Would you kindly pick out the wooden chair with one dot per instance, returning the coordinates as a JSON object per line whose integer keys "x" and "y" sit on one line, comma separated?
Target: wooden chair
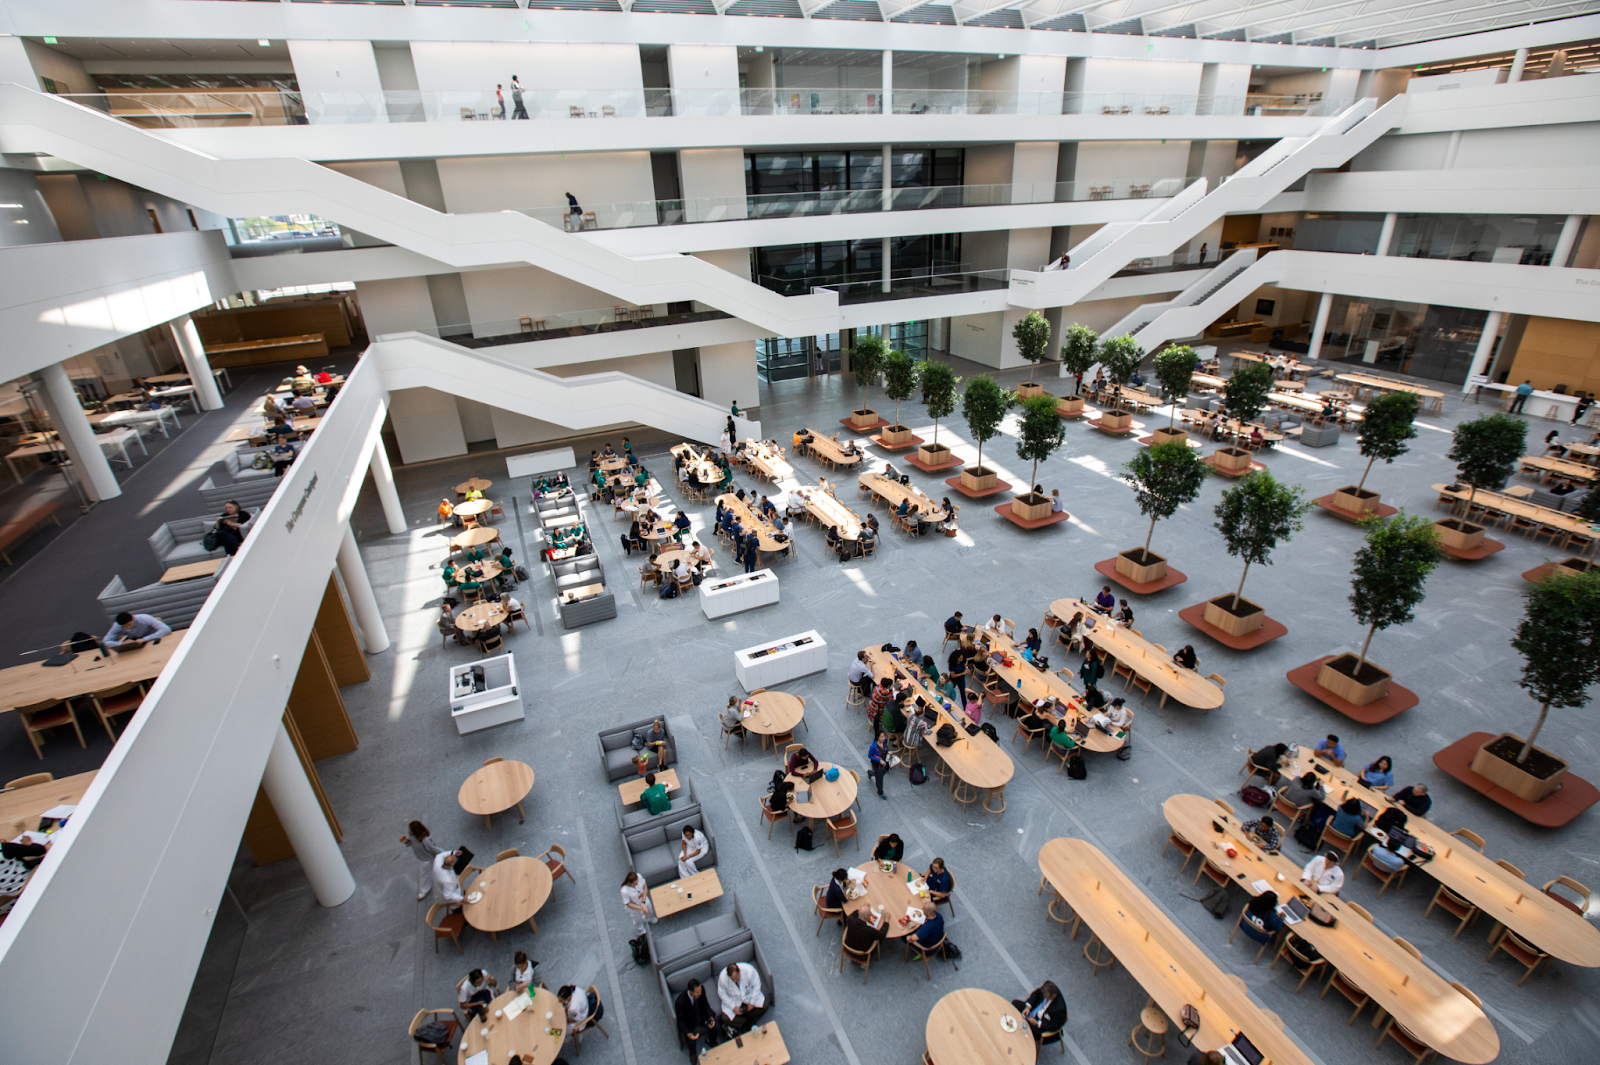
{"x": 503, "y": 855}
{"x": 1215, "y": 678}
{"x": 448, "y": 926}
{"x": 1337, "y": 840}
{"x": 1226, "y": 808}
{"x": 728, "y": 733}
{"x": 861, "y": 958}
{"x": 1306, "y": 964}
{"x": 1053, "y": 750}
{"x": 1579, "y": 905}
{"x": 1454, "y": 905}
{"x": 1385, "y": 877}
{"x": 823, "y": 912}
{"x": 1513, "y": 870}
{"x": 555, "y": 856}
{"x": 514, "y": 616}
{"x": 453, "y": 1025}
{"x": 773, "y": 818}
{"x": 491, "y": 645}
{"x": 1362, "y": 910}
{"x": 1419, "y": 1050}
{"x": 1520, "y": 949}
{"x": 1212, "y": 872}
{"x": 1096, "y": 953}
{"x": 1405, "y": 945}
{"x": 1254, "y": 930}
{"x": 841, "y": 828}
{"x": 1471, "y": 837}
{"x": 1065, "y": 918}
{"x": 41, "y": 717}
{"x": 921, "y": 952}
{"x": 1185, "y": 848}
{"x": 589, "y": 1022}
{"x": 114, "y": 702}
{"x": 1350, "y": 990}
{"x": 1281, "y": 805}
{"x": 44, "y": 778}
{"x": 1030, "y": 733}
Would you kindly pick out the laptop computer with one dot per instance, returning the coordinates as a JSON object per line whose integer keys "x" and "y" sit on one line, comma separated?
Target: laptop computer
{"x": 1241, "y": 1051}
{"x": 1081, "y": 729}
{"x": 812, "y": 778}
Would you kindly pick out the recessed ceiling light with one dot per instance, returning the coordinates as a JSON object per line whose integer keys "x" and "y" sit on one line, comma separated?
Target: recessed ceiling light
{"x": 263, "y": 42}
{"x": 49, "y": 40}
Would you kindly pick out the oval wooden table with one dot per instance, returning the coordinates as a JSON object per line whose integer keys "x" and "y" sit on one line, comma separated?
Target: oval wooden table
{"x": 473, "y": 484}
{"x": 977, "y": 761}
{"x": 491, "y": 569}
{"x": 890, "y": 891}
{"x": 964, "y": 1029}
{"x": 526, "y": 1034}
{"x": 1032, "y": 685}
{"x": 779, "y": 713}
{"x": 473, "y": 538}
{"x": 481, "y": 616}
{"x": 1146, "y": 660}
{"x": 497, "y": 786}
{"x": 472, "y": 508}
{"x": 512, "y": 892}
{"x": 829, "y": 798}
{"x": 665, "y": 559}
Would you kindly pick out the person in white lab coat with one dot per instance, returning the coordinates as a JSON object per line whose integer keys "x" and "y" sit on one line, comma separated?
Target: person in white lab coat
{"x": 1323, "y": 875}
{"x": 444, "y": 876}
{"x": 695, "y": 846}
{"x": 739, "y": 988}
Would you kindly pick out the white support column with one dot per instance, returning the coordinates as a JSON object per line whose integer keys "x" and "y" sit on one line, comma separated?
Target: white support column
{"x": 77, "y": 435}
{"x": 1485, "y": 349}
{"x": 187, "y": 340}
{"x": 1451, "y": 150}
{"x": 1325, "y": 306}
{"x": 1387, "y": 234}
{"x": 1518, "y": 65}
{"x": 303, "y": 821}
{"x": 365, "y": 604}
{"x": 888, "y": 204}
{"x": 888, "y": 82}
{"x": 383, "y": 477}
{"x": 1567, "y": 239}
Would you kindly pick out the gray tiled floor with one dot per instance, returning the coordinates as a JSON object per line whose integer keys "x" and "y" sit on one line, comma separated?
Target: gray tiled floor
{"x": 340, "y": 985}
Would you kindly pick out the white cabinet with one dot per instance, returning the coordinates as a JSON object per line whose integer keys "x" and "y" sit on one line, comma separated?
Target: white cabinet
{"x": 744, "y": 591}
{"x": 779, "y": 660}
{"x": 484, "y": 694}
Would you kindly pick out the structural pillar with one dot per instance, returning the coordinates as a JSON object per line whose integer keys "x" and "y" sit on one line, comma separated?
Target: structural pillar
{"x": 888, "y": 81}
{"x": 1387, "y": 234}
{"x": 1518, "y": 64}
{"x": 77, "y": 435}
{"x": 303, "y": 821}
{"x": 187, "y": 340}
{"x": 1323, "y": 308}
{"x": 1451, "y": 150}
{"x": 1480, "y": 357}
{"x": 383, "y": 477}
{"x": 1567, "y": 240}
{"x": 888, "y": 205}
{"x": 359, "y": 588}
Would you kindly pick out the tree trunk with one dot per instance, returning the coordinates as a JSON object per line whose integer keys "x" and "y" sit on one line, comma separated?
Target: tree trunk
{"x": 1148, "y": 535}
{"x": 1527, "y": 746}
{"x": 1365, "y": 472}
{"x": 936, "y": 432}
{"x": 897, "y": 412}
{"x": 1033, "y": 477}
{"x": 1362, "y": 660}
{"x": 1172, "y": 416}
{"x": 980, "y": 454}
{"x": 1240, "y": 590}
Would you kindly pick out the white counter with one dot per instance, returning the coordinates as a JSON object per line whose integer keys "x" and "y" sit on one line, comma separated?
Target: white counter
{"x": 743, "y": 591}
{"x": 779, "y": 660}
{"x": 497, "y": 702}
{"x": 1539, "y": 404}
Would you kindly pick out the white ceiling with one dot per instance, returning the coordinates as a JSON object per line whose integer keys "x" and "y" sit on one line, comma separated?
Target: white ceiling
{"x": 113, "y": 48}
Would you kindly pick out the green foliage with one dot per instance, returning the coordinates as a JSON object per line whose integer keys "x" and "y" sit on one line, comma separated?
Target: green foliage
{"x": 1164, "y": 478}
{"x": 866, "y": 360}
{"x": 1254, "y": 515}
{"x": 984, "y": 406}
{"x": 899, "y": 379}
{"x": 1041, "y": 432}
{"x": 1390, "y": 571}
{"x": 1079, "y": 351}
{"x": 1486, "y": 450}
{"x": 1560, "y": 638}
{"x": 1246, "y": 391}
{"x": 1387, "y": 423}
{"x": 1032, "y": 335}
{"x": 1174, "y": 369}
{"x": 1589, "y": 509}
{"x": 938, "y": 383}
{"x": 1121, "y": 357}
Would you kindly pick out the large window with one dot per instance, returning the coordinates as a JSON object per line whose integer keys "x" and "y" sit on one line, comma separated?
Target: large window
{"x": 790, "y": 358}
{"x": 1418, "y": 339}
{"x": 1498, "y": 238}
{"x": 795, "y": 269}
{"x": 766, "y": 173}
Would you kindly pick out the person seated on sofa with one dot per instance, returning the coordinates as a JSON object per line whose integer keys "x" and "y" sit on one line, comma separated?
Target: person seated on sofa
{"x": 230, "y": 527}
{"x": 135, "y": 630}
{"x": 1563, "y": 487}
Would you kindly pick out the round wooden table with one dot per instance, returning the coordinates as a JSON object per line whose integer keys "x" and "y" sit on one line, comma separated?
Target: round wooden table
{"x": 526, "y": 1034}
{"x": 472, "y": 508}
{"x": 512, "y": 890}
{"x": 473, "y": 538}
{"x": 964, "y": 1029}
{"x": 615, "y": 462}
{"x": 829, "y": 798}
{"x": 778, "y": 714}
{"x": 665, "y": 559}
{"x": 481, "y": 616}
{"x": 491, "y": 569}
{"x": 497, "y": 786}
{"x": 473, "y": 484}
{"x": 888, "y": 890}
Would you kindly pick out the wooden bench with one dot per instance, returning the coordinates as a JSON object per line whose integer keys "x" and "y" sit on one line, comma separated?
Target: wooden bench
{"x": 21, "y": 528}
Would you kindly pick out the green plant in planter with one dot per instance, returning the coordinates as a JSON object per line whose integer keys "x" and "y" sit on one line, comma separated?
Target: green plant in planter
{"x": 984, "y": 405}
{"x": 1245, "y": 395}
{"x": 1079, "y": 352}
{"x": 1254, "y": 515}
{"x": 1032, "y": 335}
{"x": 1121, "y": 357}
{"x": 1486, "y": 451}
{"x": 1387, "y": 423}
{"x": 938, "y": 391}
{"x": 1560, "y": 638}
{"x": 1588, "y": 509}
{"x": 1390, "y": 571}
{"x": 1164, "y": 478}
{"x": 866, "y": 361}
{"x": 899, "y": 380}
{"x": 1174, "y": 370}
{"x": 1041, "y": 432}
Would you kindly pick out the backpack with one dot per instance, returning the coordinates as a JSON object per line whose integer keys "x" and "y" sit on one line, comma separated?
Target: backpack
{"x": 641, "y": 950}
{"x": 522, "y": 573}
{"x": 988, "y": 730}
{"x": 1306, "y": 834}
{"x": 669, "y": 590}
{"x": 261, "y": 462}
{"x": 803, "y": 840}
{"x": 1076, "y": 770}
{"x": 434, "y": 1033}
{"x": 1251, "y": 795}
{"x": 919, "y": 775}
{"x": 945, "y": 736}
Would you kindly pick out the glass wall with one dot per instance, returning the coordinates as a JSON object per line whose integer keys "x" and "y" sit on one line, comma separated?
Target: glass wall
{"x": 1500, "y": 238}
{"x": 791, "y": 358}
{"x": 1409, "y": 338}
{"x": 828, "y": 171}
{"x": 1344, "y": 231}
{"x": 795, "y": 269}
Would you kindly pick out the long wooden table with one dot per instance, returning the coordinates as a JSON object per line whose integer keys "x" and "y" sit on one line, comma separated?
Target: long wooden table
{"x": 829, "y": 448}
{"x": 830, "y": 511}
{"x": 21, "y": 808}
{"x": 964, "y": 1029}
{"x": 1501, "y": 503}
{"x": 1379, "y": 384}
{"x": 33, "y": 683}
{"x": 1146, "y": 660}
{"x": 1156, "y": 952}
{"x": 977, "y": 760}
{"x": 1503, "y": 897}
{"x": 897, "y": 493}
{"x": 768, "y": 462}
{"x": 766, "y": 532}
{"x": 1032, "y": 685}
{"x": 1306, "y": 405}
{"x": 1403, "y": 986}
{"x": 1563, "y": 467}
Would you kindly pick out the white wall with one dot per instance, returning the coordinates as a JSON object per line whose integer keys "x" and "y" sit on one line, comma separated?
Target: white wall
{"x": 498, "y": 295}
{"x": 477, "y": 420}
{"x": 63, "y": 69}
{"x": 655, "y": 367}
{"x": 1147, "y": 77}
{"x": 1034, "y": 162}
{"x": 977, "y": 337}
{"x": 396, "y": 305}
{"x": 445, "y": 65}
{"x": 989, "y": 164}
{"x": 714, "y": 172}
{"x": 336, "y": 67}
{"x": 733, "y": 260}
{"x": 427, "y": 424}
{"x": 1342, "y": 84}
{"x": 384, "y": 173}
{"x": 1041, "y": 73}
{"x": 1105, "y": 162}
{"x": 727, "y": 373}
{"x": 1570, "y": 145}
{"x": 1466, "y": 79}
{"x": 514, "y": 430}
{"x": 702, "y": 66}
{"x": 1303, "y": 81}
{"x": 525, "y": 182}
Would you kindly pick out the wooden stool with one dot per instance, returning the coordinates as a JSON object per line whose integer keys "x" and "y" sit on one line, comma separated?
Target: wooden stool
{"x": 1099, "y": 955}
{"x": 1064, "y": 918}
{"x": 941, "y": 770}
{"x": 1153, "y": 1026}
{"x": 854, "y": 698}
{"x": 963, "y": 793}
{"x": 995, "y": 795}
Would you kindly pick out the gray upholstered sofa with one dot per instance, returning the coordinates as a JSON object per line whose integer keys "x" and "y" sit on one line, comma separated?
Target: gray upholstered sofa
{"x": 232, "y": 477}
{"x": 578, "y": 571}
{"x": 178, "y": 542}
{"x": 706, "y": 963}
{"x": 653, "y": 849}
{"x": 176, "y": 604}
{"x": 1325, "y": 435}
{"x": 672, "y": 945}
{"x": 1546, "y": 498}
{"x": 633, "y": 815}
{"x": 616, "y": 749}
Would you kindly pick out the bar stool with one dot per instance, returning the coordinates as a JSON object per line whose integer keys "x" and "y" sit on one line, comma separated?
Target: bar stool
{"x": 963, "y": 793}
{"x": 1099, "y": 955}
{"x": 1066, "y": 917}
{"x": 854, "y": 698}
{"x": 1153, "y": 1026}
{"x": 995, "y": 795}
{"x": 941, "y": 769}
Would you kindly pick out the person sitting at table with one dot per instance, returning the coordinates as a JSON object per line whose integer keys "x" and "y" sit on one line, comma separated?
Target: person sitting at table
{"x": 889, "y": 473}
{"x": 282, "y": 455}
{"x": 1116, "y": 717}
{"x": 1331, "y": 750}
{"x": 953, "y": 625}
{"x": 281, "y": 427}
{"x": 1552, "y": 444}
{"x": 778, "y": 792}
{"x": 1267, "y": 760}
{"x": 634, "y": 541}
{"x": 743, "y": 1003}
{"x": 940, "y": 682}
{"x": 303, "y": 405}
{"x": 918, "y": 726}
{"x": 681, "y": 523}
{"x": 1415, "y": 798}
{"x": 471, "y": 581}
{"x": 890, "y": 848}
{"x": 1185, "y": 658}
{"x": 1124, "y": 612}
{"x": 767, "y": 508}
{"x": 930, "y": 932}
{"x": 1256, "y": 439}
{"x": 974, "y": 707}
{"x": 697, "y": 1023}
{"x": 940, "y": 882}
{"x": 1069, "y": 629}
{"x": 903, "y": 509}
{"x": 998, "y": 624}
{"x": 447, "y": 624}
{"x": 692, "y": 848}
{"x": 1092, "y": 669}
{"x": 580, "y": 1005}
{"x": 130, "y": 631}
{"x": 1032, "y": 645}
{"x": 475, "y": 992}
{"x": 1379, "y": 775}
{"x": 606, "y": 453}
{"x": 862, "y": 930}
{"x": 445, "y": 879}
{"x": 1563, "y": 487}
{"x": 654, "y": 795}
{"x": 979, "y": 671}
{"x": 522, "y": 968}
{"x": 1304, "y": 791}
{"x": 302, "y": 383}
{"x": 1350, "y": 820}
{"x": 1105, "y": 600}
{"x": 1264, "y": 908}
{"x": 1043, "y": 1009}
{"x": 803, "y": 763}
{"x": 229, "y": 528}
{"x": 1390, "y": 819}
{"x": 1263, "y": 831}
{"x": 1322, "y": 874}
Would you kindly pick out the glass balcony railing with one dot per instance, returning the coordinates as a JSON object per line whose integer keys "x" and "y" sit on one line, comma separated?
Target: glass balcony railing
{"x": 551, "y": 325}
{"x": 945, "y": 279}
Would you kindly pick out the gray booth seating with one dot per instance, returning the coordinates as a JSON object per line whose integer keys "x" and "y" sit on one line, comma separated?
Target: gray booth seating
{"x": 578, "y": 571}
{"x": 587, "y": 611}
{"x": 1325, "y": 435}
{"x": 232, "y": 477}
{"x": 178, "y": 542}
{"x": 672, "y": 946}
{"x": 675, "y": 976}
{"x": 616, "y": 749}
{"x": 176, "y": 603}
{"x": 632, "y": 816}
{"x": 549, "y": 508}
{"x": 1568, "y": 503}
{"x": 653, "y": 848}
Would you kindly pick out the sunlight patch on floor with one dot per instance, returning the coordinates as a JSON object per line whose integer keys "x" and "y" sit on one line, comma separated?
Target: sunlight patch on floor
{"x": 859, "y": 579}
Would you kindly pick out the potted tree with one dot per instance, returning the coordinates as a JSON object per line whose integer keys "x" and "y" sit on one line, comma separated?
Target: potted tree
{"x": 1387, "y": 423}
{"x": 866, "y": 360}
{"x": 938, "y": 383}
{"x": 1164, "y": 477}
{"x": 1243, "y": 399}
{"x": 1485, "y": 452}
{"x": 1560, "y": 637}
{"x": 1040, "y": 434}
{"x": 984, "y": 405}
{"x": 1253, "y": 516}
{"x": 1077, "y": 358}
{"x": 1390, "y": 571}
{"x": 899, "y": 382}
{"x": 1032, "y": 335}
{"x": 1174, "y": 368}
{"x": 1120, "y": 357}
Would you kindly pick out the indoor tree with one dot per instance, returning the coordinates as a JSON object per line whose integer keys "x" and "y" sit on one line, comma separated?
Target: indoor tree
{"x": 899, "y": 380}
{"x": 1041, "y": 432}
{"x": 1121, "y": 357}
{"x": 1486, "y": 451}
{"x": 1079, "y": 352}
{"x": 1254, "y": 515}
{"x": 866, "y": 360}
{"x": 938, "y": 391}
{"x": 1390, "y": 571}
{"x": 1387, "y": 423}
{"x": 1174, "y": 368}
{"x": 984, "y": 405}
{"x": 1164, "y": 478}
{"x": 1032, "y": 335}
{"x": 1245, "y": 394}
{"x": 1560, "y": 638}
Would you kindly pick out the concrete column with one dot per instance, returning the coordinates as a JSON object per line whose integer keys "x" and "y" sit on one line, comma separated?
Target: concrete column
{"x": 383, "y": 477}
{"x": 1567, "y": 239}
{"x": 888, "y": 81}
{"x": 1325, "y": 306}
{"x": 888, "y": 203}
{"x": 77, "y": 436}
{"x": 1451, "y": 150}
{"x": 1480, "y": 357}
{"x": 303, "y": 821}
{"x": 365, "y": 604}
{"x": 1387, "y": 234}
{"x": 186, "y": 338}
{"x": 1518, "y": 65}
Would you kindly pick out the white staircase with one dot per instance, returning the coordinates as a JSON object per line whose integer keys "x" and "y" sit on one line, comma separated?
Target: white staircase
{"x": 1114, "y": 246}
{"x": 1135, "y": 321}
{"x": 1176, "y": 320}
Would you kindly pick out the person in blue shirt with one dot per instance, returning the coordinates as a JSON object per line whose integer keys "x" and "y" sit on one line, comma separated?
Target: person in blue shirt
{"x": 752, "y": 551}
{"x": 1524, "y": 390}
{"x": 682, "y": 522}
{"x": 1331, "y": 750}
{"x": 878, "y": 759}
{"x": 1033, "y": 643}
{"x": 940, "y": 882}
{"x": 1349, "y": 820}
{"x": 1105, "y": 600}
{"x": 1264, "y": 908}
{"x": 1379, "y": 774}
{"x": 134, "y": 630}
{"x": 913, "y": 652}
{"x": 932, "y": 930}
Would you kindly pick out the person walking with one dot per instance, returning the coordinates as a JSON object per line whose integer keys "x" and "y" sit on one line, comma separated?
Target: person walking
{"x": 424, "y": 848}
{"x": 1582, "y": 407}
{"x": 500, "y": 101}
{"x": 878, "y": 759}
{"x": 574, "y": 213}
{"x": 516, "y": 99}
{"x": 1202, "y": 255}
{"x": 636, "y": 898}
{"x": 1524, "y": 390}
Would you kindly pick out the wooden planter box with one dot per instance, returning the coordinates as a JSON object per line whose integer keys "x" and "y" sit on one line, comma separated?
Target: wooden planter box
{"x": 1335, "y": 675}
{"x": 1356, "y": 500}
{"x": 1529, "y": 786}
{"x": 895, "y": 434}
{"x": 1030, "y": 506}
{"x": 1168, "y": 436}
{"x": 1141, "y": 566}
{"x": 1461, "y": 535}
{"x": 1029, "y": 389}
{"x": 1575, "y": 565}
{"x": 978, "y": 478}
{"x": 1231, "y": 458}
{"x": 1240, "y": 621}
{"x": 865, "y": 418}
{"x": 1069, "y": 405}
{"x": 934, "y": 454}
{"x": 1115, "y": 419}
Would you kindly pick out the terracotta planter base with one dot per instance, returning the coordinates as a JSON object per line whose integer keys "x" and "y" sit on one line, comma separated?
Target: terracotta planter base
{"x": 1383, "y": 510}
{"x": 1355, "y": 500}
{"x": 908, "y": 442}
{"x": 1397, "y": 702}
{"x": 1232, "y": 471}
{"x": 1151, "y": 441}
{"x": 1005, "y": 511}
{"x": 1539, "y": 573}
{"x": 1270, "y": 630}
{"x": 978, "y": 493}
{"x": 1108, "y": 570}
{"x": 1535, "y": 782}
{"x": 1070, "y": 406}
{"x": 920, "y": 461}
{"x": 1575, "y": 796}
